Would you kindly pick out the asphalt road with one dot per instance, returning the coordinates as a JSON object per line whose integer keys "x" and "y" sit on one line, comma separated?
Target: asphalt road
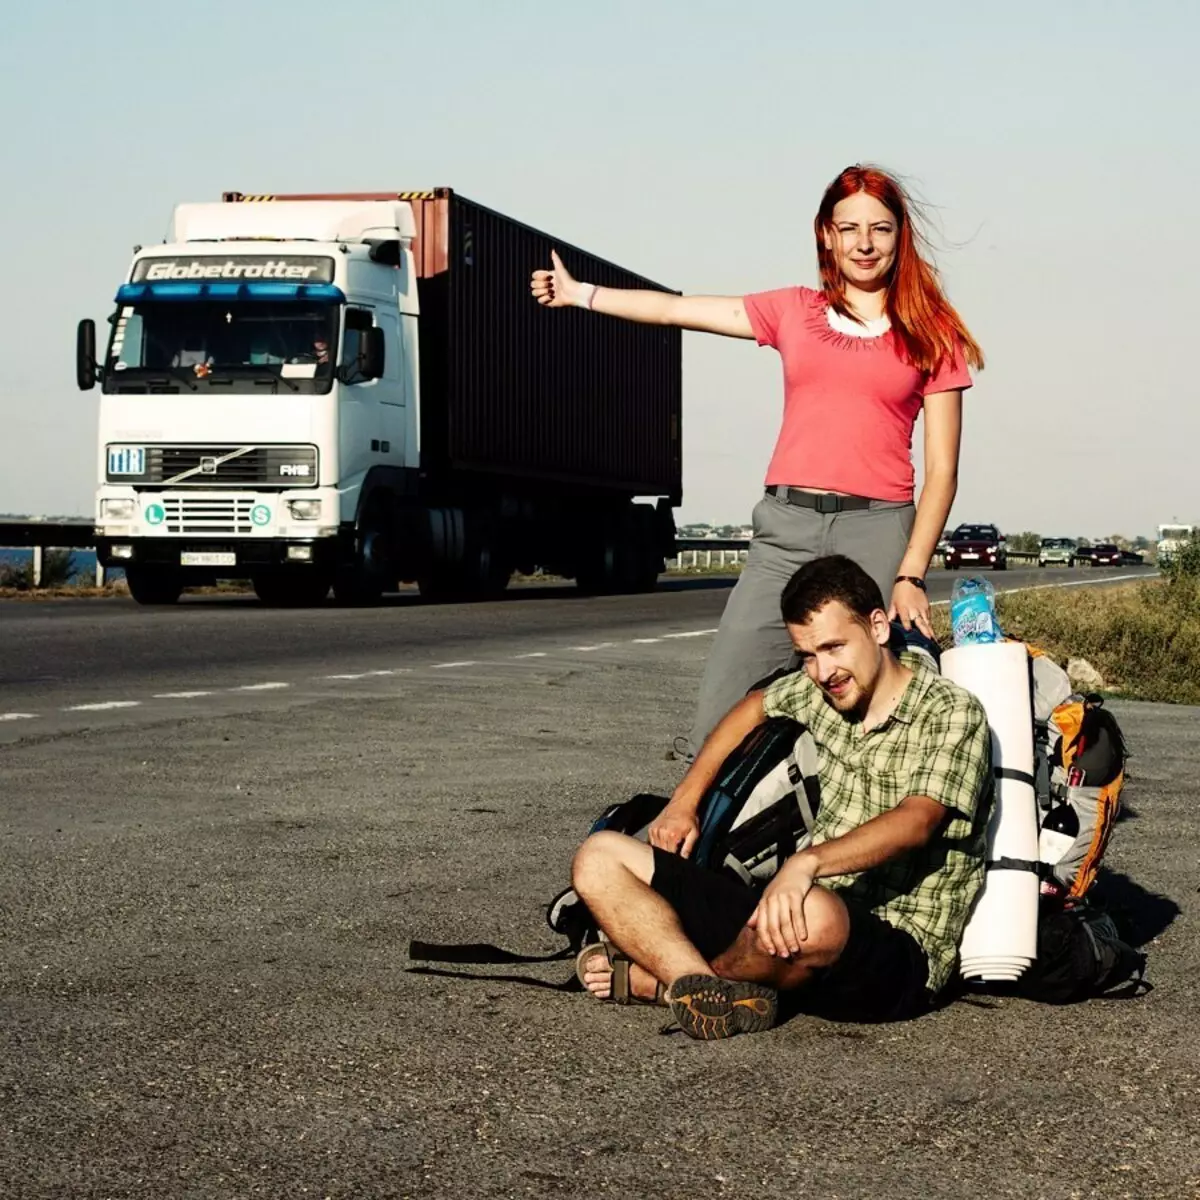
{"x": 205, "y": 904}
{"x": 58, "y": 653}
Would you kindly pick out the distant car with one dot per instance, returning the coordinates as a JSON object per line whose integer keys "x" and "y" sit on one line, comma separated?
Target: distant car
{"x": 976, "y": 546}
{"x": 1103, "y": 555}
{"x": 1057, "y": 550}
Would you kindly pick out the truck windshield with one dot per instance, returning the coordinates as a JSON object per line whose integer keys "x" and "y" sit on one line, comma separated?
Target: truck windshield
{"x": 178, "y": 346}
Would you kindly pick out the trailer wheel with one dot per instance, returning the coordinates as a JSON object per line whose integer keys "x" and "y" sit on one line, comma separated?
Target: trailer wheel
{"x": 646, "y": 554}
{"x": 476, "y": 567}
{"x": 623, "y": 555}
{"x": 154, "y": 585}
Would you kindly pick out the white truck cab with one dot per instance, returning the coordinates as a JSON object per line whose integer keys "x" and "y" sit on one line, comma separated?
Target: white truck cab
{"x": 261, "y": 365}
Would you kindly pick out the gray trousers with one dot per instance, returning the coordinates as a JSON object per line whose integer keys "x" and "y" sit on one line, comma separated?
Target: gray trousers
{"x": 752, "y": 640}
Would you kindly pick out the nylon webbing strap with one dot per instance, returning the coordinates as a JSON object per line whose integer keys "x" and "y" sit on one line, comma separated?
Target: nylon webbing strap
{"x": 806, "y": 786}
{"x": 1017, "y": 864}
{"x": 1019, "y": 776}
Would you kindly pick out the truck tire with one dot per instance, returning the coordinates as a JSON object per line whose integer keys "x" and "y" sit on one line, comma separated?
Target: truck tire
{"x": 298, "y": 587}
{"x": 647, "y": 555}
{"x": 480, "y": 571}
{"x": 363, "y": 580}
{"x": 623, "y": 556}
{"x": 154, "y": 585}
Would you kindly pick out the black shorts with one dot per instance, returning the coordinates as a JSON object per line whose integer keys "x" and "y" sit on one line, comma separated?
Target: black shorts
{"x": 880, "y": 976}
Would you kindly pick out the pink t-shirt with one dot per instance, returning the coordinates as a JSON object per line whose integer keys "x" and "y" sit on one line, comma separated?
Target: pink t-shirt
{"x": 849, "y": 403}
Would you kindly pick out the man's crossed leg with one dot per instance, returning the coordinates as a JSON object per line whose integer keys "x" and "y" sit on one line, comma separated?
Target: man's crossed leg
{"x": 701, "y": 934}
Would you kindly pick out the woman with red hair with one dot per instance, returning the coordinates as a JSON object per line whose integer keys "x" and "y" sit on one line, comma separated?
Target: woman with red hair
{"x": 862, "y": 357}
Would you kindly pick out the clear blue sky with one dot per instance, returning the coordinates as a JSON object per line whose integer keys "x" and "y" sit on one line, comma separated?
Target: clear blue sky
{"x": 688, "y": 140}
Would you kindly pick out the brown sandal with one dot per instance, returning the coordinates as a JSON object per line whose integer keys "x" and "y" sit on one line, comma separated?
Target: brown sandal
{"x": 620, "y": 963}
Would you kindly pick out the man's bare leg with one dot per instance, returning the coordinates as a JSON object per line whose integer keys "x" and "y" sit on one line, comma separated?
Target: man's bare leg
{"x": 613, "y": 878}
{"x": 828, "y": 925}
{"x": 612, "y": 875}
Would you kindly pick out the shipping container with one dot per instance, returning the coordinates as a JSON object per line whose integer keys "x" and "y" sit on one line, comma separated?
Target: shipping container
{"x": 512, "y": 390}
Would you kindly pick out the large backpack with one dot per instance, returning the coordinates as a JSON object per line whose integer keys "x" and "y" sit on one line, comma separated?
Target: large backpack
{"x": 1080, "y": 758}
{"x": 1079, "y": 761}
{"x": 758, "y": 811}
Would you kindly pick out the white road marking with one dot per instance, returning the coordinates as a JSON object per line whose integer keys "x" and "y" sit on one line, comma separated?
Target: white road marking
{"x": 180, "y": 695}
{"x": 445, "y": 666}
{"x": 360, "y": 675}
{"x": 597, "y": 646}
{"x": 690, "y": 633}
{"x": 646, "y": 641}
{"x": 260, "y": 687}
{"x": 103, "y": 706}
{"x": 17, "y": 716}
{"x": 535, "y": 654}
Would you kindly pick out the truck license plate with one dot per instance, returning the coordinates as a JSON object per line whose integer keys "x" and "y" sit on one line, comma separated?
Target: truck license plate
{"x": 207, "y": 558}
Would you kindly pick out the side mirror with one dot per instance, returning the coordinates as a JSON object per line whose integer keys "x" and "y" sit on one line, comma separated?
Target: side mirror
{"x": 373, "y": 356}
{"x": 85, "y": 355}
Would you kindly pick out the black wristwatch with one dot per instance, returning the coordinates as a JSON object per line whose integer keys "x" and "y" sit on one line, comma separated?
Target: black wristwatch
{"x": 915, "y": 580}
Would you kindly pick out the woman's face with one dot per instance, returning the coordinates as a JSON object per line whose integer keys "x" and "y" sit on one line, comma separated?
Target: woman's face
{"x": 862, "y": 239}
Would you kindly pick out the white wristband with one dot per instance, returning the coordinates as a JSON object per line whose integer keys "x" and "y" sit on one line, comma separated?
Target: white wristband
{"x": 587, "y": 293}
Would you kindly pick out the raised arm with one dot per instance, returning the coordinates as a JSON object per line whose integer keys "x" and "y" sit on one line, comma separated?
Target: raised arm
{"x": 725, "y": 315}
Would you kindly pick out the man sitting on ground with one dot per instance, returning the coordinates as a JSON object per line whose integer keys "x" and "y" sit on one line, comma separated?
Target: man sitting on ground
{"x": 898, "y": 846}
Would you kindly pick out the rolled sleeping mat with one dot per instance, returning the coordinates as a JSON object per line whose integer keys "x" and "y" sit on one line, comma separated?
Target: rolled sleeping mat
{"x": 1000, "y": 939}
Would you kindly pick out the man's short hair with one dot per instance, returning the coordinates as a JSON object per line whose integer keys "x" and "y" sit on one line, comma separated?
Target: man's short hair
{"x": 833, "y": 577}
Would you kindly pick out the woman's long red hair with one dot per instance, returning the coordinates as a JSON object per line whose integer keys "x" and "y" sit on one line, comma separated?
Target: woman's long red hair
{"x": 922, "y": 318}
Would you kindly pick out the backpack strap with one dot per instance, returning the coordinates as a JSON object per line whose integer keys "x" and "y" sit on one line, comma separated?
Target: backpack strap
{"x": 1016, "y": 776}
{"x": 1040, "y": 869}
{"x": 802, "y": 769}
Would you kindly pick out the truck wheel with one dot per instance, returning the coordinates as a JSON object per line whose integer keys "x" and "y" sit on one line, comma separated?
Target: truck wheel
{"x": 294, "y": 588}
{"x": 363, "y": 580}
{"x": 647, "y": 557}
{"x": 624, "y": 555}
{"x": 602, "y": 571}
{"x": 482, "y": 571}
{"x": 153, "y": 585}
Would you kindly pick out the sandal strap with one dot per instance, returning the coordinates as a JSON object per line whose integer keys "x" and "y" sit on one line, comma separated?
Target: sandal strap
{"x": 620, "y": 977}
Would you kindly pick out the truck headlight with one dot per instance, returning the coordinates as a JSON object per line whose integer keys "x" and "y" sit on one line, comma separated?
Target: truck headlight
{"x": 305, "y": 510}
{"x": 118, "y": 510}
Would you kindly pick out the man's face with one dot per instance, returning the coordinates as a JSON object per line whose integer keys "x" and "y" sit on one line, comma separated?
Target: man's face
{"x": 842, "y": 655}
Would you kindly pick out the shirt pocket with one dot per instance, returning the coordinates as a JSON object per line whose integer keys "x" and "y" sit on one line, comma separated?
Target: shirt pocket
{"x": 883, "y": 789}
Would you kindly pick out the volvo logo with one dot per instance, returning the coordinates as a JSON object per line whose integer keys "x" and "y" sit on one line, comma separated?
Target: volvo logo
{"x": 208, "y": 465}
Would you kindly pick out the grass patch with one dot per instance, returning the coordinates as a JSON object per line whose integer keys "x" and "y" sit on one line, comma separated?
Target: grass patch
{"x": 1143, "y": 638}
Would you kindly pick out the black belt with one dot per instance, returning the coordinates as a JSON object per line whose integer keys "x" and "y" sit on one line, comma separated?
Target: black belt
{"x": 823, "y": 502}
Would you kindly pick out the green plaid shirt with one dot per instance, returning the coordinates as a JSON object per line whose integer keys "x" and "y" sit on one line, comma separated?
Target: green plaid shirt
{"x": 935, "y": 744}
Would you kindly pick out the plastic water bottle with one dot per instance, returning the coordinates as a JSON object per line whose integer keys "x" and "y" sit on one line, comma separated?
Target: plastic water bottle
{"x": 1058, "y": 833}
{"x": 973, "y": 612}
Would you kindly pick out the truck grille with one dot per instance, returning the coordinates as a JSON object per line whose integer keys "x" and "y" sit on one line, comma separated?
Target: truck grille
{"x": 250, "y": 466}
{"x": 219, "y": 514}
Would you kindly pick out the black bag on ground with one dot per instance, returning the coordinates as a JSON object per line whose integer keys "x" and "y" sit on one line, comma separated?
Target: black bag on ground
{"x": 1080, "y": 954}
